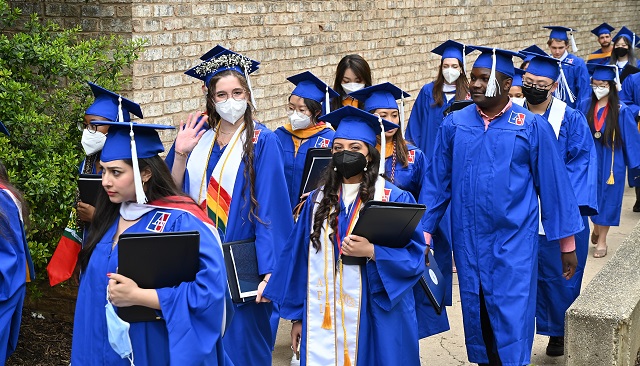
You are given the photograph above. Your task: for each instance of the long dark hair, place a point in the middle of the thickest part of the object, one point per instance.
(631, 57)
(4, 180)
(400, 150)
(329, 206)
(248, 148)
(611, 121)
(462, 86)
(159, 186)
(359, 66)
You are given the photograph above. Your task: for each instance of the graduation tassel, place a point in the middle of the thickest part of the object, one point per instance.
(253, 100)
(492, 85)
(383, 145)
(617, 79)
(326, 100)
(573, 42)
(563, 87)
(141, 198)
(464, 59)
(612, 181)
(402, 122)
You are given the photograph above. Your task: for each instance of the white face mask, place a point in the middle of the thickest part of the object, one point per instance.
(299, 120)
(351, 87)
(92, 142)
(600, 92)
(231, 110)
(450, 74)
(518, 101)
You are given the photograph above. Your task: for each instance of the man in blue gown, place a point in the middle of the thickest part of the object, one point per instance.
(577, 150)
(603, 55)
(492, 162)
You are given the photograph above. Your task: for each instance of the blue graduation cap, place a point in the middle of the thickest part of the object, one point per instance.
(3, 129)
(382, 96)
(310, 87)
(549, 67)
(453, 49)
(628, 34)
(603, 28)
(517, 77)
(531, 50)
(607, 73)
(128, 140)
(212, 52)
(112, 106)
(559, 32)
(495, 59)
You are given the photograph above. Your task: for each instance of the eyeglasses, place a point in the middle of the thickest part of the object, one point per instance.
(91, 128)
(528, 84)
(599, 87)
(236, 94)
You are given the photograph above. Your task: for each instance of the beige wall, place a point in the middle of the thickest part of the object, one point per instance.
(289, 37)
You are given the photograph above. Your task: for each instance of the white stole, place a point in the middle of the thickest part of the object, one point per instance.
(556, 116)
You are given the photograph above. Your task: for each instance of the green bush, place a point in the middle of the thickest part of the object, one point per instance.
(43, 94)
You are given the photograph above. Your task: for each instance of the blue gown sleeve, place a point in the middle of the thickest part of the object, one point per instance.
(288, 283)
(418, 116)
(194, 311)
(171, 155)
(436, 187)
(274, 208)
(628, 94)
(560, 214)
(582, 163)
(583, 84)
(396, 270)
(420, 165)
(631, 135)
(14, 251)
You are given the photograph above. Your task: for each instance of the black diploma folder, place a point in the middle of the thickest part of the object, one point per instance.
(157, 260)
(314, 164)
(389, 224)
(456, 106)
(89, 185)
(242, 269)
(432, 283)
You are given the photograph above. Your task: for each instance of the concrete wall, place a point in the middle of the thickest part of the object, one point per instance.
(603, 324)
(289, 37)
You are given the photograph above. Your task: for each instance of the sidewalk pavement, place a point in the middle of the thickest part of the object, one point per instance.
(447, 349)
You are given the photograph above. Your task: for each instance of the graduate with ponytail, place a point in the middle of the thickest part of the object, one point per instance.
(349, 314)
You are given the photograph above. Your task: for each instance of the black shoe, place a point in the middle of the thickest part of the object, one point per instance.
(555, 347)
(636, 207)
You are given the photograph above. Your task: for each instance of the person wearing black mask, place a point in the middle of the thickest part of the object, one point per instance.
(623, 54)
(577, 150)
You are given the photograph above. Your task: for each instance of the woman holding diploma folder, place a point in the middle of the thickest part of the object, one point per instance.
(193, 312)
(343, 313)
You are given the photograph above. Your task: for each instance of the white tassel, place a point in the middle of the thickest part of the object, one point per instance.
(326, 100)
(492, 85)
(253, 100)
(633, 44)
(141, 198)
(563, 87)
(120, 116)
(618, 84)
(383, 145)
(464, 59)
(573, 42)
(402, 122)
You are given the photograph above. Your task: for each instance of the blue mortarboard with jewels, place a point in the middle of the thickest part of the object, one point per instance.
(495, 59)
(603, 28)
(107, 104)
(560, 32)
(310, 87)
(3, 129)
(628, 34)
(128, 140)
(382, 96)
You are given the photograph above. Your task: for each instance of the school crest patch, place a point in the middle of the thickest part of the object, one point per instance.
(569, 60)
(256, 135)
(516, 118)
(411, 157)
(158, 222)
(322, 142)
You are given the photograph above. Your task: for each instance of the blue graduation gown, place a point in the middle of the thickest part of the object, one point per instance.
(248, 341)
(388, 331)
(408, 178)
(556, 294)
(294, 162)
(191, 332)
(14, 260)
(492, 180)
(425, 119)
(630, 95)
(627, 155)
(578, 80)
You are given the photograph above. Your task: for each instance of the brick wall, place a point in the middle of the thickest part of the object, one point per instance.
(288, 37)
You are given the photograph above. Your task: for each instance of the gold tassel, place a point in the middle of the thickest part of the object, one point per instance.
(326, 323)
(347, 360)
(611, 181)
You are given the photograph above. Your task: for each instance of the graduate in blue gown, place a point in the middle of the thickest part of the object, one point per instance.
(630, 96)
(377, 313)
(602, 55)
(577, 76)
(623, 54)
(405, 167)
(16, 267)
(234, 169)
(450, 85)
(304, 131)
(493, 161)
(617, 142)
(193, 313)
(577, 150)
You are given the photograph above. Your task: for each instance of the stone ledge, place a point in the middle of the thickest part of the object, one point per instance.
(603, 324)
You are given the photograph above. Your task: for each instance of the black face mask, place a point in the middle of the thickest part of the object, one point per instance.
(349, 163)
(534, 95)
(620, 51)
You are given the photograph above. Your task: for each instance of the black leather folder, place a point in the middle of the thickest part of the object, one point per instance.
(314, 164)
(157, 260)
(242, 269)
(89, 185)
(432, 283)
